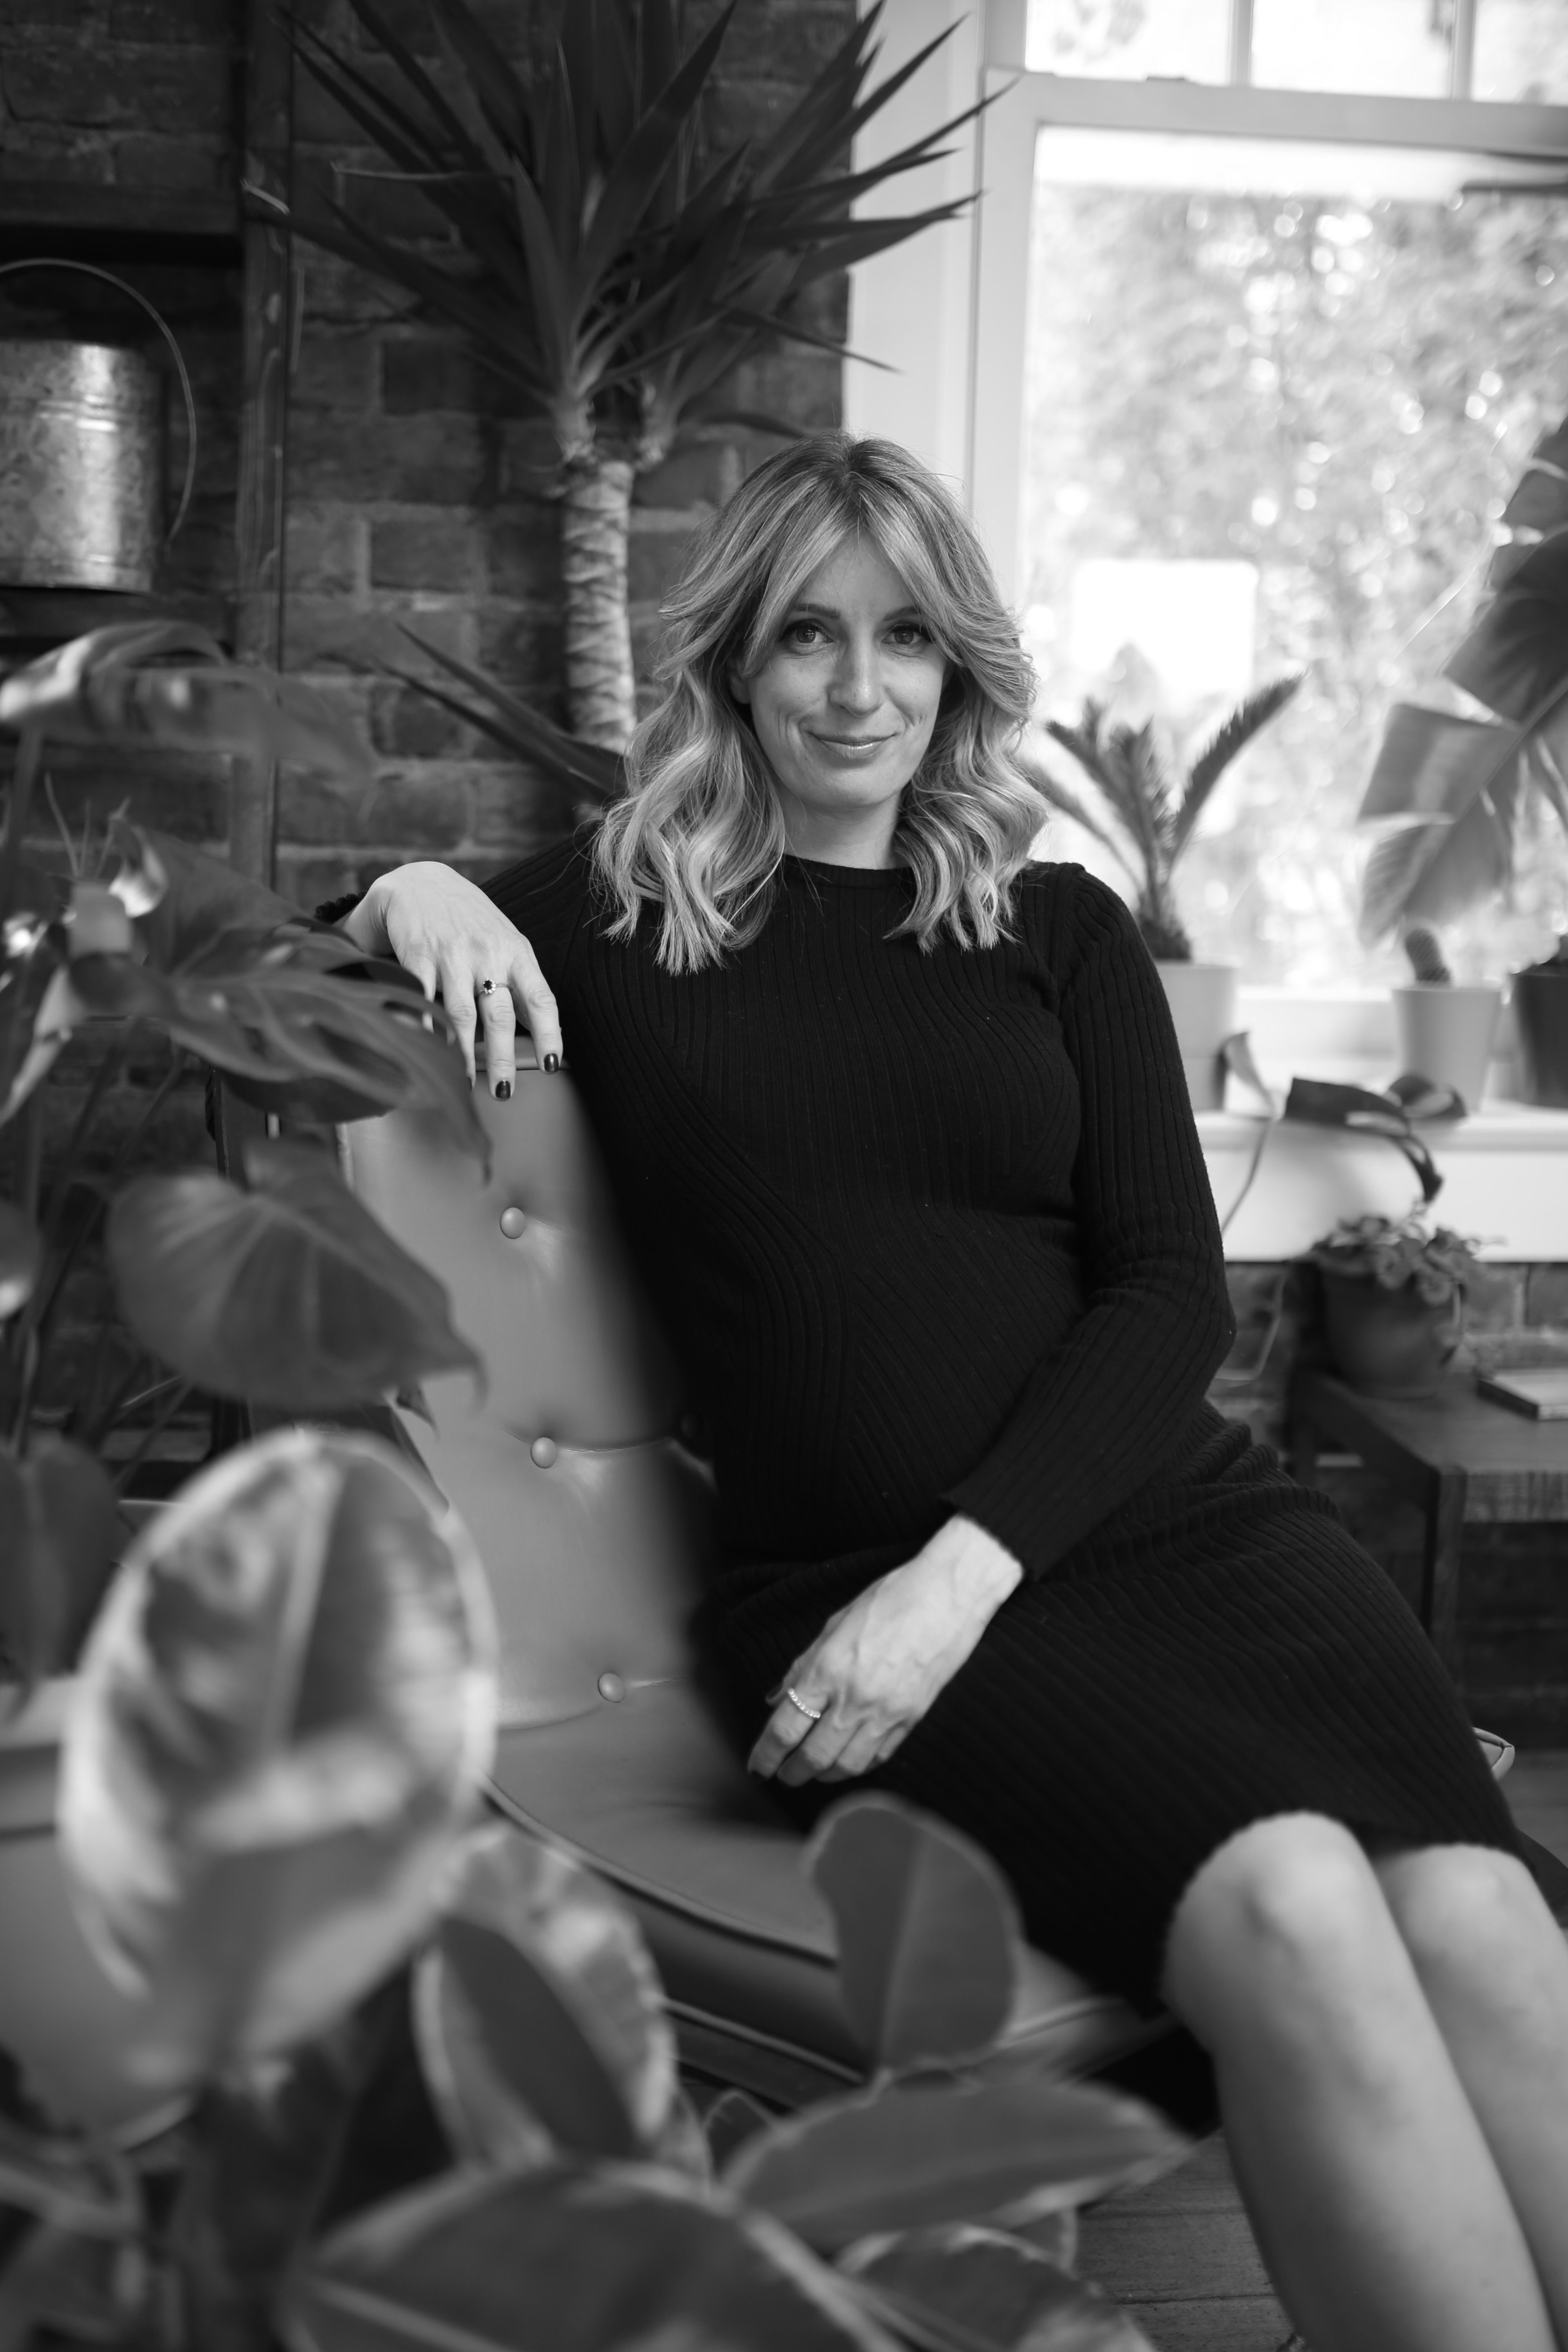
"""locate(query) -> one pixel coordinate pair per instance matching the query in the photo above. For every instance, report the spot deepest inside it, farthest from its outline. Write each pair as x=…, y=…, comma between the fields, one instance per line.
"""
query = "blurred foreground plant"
x=278, y=1736
x=281, y=1291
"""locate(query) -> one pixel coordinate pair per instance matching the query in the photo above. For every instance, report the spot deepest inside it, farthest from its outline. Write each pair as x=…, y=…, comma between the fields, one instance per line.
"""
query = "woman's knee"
x=1463, y=1909
x=1289, y=1906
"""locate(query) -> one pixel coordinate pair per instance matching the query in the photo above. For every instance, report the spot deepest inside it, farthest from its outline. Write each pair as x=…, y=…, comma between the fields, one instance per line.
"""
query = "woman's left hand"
x=878, y=1664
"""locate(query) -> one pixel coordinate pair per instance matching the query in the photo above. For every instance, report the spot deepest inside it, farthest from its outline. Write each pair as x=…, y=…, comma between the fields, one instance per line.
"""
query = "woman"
x=902, y=1141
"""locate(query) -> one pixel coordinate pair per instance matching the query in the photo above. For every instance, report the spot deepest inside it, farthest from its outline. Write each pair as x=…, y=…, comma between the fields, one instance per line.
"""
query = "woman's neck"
x=862, y=837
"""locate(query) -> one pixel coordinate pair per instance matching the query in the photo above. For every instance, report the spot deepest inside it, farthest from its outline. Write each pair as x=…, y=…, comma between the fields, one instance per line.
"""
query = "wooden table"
x=1464, y=1461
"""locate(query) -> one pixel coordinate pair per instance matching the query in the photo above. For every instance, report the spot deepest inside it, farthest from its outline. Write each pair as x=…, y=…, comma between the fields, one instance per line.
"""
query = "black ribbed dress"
x=932, y=1233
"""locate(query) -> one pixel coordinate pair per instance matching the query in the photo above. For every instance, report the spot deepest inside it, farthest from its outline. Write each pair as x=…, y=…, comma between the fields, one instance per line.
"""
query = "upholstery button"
x=544, y=1451
x=512, y=1222
x=612, y=1687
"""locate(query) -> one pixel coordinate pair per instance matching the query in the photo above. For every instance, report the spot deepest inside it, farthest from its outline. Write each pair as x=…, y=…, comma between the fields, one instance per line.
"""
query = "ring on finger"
x=815, y=1712
x=487, y=988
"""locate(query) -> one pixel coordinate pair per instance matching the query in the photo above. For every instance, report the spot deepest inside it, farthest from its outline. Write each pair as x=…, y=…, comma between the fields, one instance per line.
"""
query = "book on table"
x=1540, y=1391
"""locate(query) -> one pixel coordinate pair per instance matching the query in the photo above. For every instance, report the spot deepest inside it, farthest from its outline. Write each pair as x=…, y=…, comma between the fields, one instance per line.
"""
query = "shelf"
x=116, y=223
x=35, y=620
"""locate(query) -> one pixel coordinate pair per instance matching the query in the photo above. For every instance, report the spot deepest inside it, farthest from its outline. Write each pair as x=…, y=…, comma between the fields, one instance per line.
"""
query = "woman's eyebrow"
x=813, y=611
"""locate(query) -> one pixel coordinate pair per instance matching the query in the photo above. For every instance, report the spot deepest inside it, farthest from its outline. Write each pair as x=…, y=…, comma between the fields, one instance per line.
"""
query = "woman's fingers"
x=536, y=1005
x=458, y=986
x=501, y=1040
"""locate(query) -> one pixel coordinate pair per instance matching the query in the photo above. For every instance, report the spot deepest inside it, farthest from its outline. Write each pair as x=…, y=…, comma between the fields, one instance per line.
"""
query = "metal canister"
x=82, y=465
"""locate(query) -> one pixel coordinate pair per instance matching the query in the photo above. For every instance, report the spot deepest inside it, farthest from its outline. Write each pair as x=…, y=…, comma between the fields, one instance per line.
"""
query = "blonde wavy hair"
x=700, y=833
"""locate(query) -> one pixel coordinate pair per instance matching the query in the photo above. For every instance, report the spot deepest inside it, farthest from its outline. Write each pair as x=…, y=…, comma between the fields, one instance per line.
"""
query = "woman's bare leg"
x=1494, y=1969
x=1379, y=2209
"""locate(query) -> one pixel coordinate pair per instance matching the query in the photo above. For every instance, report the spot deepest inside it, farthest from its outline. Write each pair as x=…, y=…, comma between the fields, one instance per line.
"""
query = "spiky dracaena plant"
x=602, y=262
x=1155, y=806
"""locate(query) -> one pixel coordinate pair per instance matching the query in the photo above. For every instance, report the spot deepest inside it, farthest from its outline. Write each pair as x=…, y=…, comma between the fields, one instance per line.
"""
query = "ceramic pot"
x=1387, y=1343
x=1541, y=1018
x=1446, y=1034
x=1202, y=997
x=68, y=2026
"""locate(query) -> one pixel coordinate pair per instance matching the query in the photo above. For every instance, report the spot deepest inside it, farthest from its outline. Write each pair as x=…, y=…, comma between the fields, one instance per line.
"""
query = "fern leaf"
x=1234, y=732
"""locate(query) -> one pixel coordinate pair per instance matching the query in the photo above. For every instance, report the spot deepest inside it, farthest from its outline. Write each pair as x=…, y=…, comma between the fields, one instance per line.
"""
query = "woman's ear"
x=740, y=689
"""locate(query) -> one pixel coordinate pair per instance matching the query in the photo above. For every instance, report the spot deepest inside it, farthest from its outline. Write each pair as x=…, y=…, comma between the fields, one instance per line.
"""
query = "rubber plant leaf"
x=539, y=2015
x=1540, y=500
x=1431, y=873
x=59, y=1531
x=569, y=2261
x=284, y=1710
x=1515, y=660
x=964, y=2289
x=288, y=1295
x=929, y=1941
x=912, y=2156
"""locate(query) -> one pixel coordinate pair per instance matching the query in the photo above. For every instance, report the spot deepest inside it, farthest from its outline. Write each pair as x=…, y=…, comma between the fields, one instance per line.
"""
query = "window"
x=1255, y=365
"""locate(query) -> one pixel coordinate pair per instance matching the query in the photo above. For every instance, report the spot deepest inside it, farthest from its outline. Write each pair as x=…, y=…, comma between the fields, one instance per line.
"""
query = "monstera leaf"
x=284, y=1708
x=289, y=1294
x=58, y=1530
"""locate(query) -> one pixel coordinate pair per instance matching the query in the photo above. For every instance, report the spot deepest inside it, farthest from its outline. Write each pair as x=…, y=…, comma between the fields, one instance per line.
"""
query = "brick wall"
x=414, y=500
x=132, y=93
x=1513, y=1622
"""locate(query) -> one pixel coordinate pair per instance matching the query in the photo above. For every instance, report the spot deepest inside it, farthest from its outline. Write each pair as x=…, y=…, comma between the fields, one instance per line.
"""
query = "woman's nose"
x=856, y=677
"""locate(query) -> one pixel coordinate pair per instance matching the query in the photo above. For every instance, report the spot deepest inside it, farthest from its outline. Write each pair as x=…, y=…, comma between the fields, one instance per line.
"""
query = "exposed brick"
x=530, y=462
x=415, y=461
x=513, y=806
x=406, y=725
x=152, y=89
x=322, y=631
x=654, y=560
x=336, y=370
x=780, y=40
x=522, y=546
x=704, y=475
x=212, y=24
x=419, y=372
x=523, y=652
x=1546, y=1298
x=324, y=551
x=174, y=791
x=418, y=813
x=148, y=161
x=438, y=550
x=85, y=160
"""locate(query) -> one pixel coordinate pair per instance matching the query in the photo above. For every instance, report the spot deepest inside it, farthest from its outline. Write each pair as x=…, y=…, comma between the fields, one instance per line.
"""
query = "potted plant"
x=1154, y=803
x=432, y=2086
x=1393, y=1293
x=1449, y=790
x=143, y=947
x=1445, y=1029
x=609, y=269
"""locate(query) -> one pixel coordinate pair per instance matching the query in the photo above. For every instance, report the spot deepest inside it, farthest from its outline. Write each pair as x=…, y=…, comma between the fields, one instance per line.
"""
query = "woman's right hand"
x=453, y=939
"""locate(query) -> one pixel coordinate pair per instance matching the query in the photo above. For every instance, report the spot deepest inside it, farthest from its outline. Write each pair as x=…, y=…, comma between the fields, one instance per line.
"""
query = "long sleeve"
x=1109, y=1407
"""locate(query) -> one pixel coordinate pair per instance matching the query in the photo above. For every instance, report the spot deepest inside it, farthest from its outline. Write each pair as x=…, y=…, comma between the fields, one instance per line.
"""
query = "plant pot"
x=62, y=2018
x=1387, y=1343
x=1446, y=1034
x=1202, y=997
x=1541, y=1018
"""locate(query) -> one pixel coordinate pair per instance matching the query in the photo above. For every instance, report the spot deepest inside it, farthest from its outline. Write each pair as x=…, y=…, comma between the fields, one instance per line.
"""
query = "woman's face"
x=843, y=705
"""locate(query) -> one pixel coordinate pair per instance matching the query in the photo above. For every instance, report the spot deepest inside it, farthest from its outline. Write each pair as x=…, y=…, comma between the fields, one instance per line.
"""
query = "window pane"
x=1395, y=47
x=1269, y=432
x=1126, y=39
x=1521, y=51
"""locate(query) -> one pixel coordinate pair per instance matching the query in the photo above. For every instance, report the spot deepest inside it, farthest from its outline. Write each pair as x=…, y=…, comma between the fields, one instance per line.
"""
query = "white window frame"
x=944, y=316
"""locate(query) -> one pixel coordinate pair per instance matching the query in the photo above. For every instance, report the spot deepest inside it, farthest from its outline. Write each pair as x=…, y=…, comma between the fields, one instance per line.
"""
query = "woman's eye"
x=911, y=634
x=804, y=633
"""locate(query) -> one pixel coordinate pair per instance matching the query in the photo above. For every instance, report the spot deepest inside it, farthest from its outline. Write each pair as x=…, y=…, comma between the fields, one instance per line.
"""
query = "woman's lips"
x=854, y=749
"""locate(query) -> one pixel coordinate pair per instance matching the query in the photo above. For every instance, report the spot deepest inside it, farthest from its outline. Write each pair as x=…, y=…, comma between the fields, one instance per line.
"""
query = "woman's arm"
x=1110, y=1407
x=453, y=939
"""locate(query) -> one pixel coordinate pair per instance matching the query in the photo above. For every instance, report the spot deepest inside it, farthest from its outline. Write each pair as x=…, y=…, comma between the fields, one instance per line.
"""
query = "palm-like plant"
x=610, y=270
x=1153, y=804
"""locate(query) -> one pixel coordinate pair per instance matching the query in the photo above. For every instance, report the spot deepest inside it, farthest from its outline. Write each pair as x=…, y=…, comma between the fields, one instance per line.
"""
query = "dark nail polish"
x=503, y=1090
x=552, y=1063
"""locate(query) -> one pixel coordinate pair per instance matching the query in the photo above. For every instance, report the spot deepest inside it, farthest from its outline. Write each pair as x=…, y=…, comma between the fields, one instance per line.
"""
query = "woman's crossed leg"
x=1390, y=2037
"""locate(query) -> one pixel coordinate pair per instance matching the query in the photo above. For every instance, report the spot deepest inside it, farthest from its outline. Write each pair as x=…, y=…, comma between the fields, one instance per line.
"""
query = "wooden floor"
x=1179, y=2254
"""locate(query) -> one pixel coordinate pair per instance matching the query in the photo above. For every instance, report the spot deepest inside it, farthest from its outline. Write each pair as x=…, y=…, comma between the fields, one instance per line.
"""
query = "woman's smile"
x=843, y=705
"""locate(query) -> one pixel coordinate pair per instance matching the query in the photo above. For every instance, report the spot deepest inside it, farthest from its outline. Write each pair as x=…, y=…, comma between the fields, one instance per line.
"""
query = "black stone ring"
x=487, y=988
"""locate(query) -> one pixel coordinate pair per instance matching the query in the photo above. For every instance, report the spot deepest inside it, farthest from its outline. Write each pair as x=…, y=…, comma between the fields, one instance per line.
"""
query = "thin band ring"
x=487, y=988
x=815, y=1712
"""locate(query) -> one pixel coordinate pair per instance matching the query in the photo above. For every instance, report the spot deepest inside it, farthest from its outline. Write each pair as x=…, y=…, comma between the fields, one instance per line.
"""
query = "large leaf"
x=929, y=1941
x=289, y=1294
x=284, y=1710
x=1432, y=766
x=908, y=2157
x=970, y=2290
x=198, y=903
x=59, y=1531
x=596, y=2261
x=1515, y=660
x=539, y=2014
x=1431, y=873
x=164, y=684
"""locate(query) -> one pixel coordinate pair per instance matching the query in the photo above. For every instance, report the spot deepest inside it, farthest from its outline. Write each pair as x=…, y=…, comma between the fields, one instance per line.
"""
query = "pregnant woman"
x=899, y=1135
